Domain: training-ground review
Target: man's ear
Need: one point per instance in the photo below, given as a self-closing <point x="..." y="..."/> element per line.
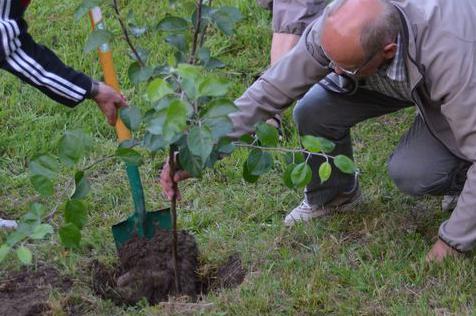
<point x="389" y="51"/>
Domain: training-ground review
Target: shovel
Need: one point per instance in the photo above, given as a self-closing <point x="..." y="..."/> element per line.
<point x="141" y="223"/>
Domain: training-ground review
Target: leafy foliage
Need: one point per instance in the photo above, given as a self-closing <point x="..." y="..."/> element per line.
<point x="187" y="112"/>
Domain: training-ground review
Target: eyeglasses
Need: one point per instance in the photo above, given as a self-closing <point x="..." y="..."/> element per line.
<point x="352" y="73"/>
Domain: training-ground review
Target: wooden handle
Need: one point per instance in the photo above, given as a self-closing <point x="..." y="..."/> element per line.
<point x="107" y="65"/>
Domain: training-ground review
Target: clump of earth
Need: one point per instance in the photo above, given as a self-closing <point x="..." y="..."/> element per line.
<point x="146" y="270"/>
<point x="26" y="292"/>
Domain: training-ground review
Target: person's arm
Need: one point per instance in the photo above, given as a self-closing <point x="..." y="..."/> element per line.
<point x="41" y="68"/>
<point x="456" y="90"/>
<point x="284" y="82"/>
<point x="276" y="89"/>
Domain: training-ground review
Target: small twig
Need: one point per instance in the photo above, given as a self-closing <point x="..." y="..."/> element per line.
<point x="199" y="4"/>
<point x="202" y="36"/>
<point x="285" y="150"/>
<point x="126" y="34"/>
<point x="97" y="162"/>
<point x="68" y="185"/>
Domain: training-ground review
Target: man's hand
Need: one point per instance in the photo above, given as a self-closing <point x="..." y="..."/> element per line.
<point x="439" y="251"/>
<point x="168" y="185"/>
<point x="109" y="101"/>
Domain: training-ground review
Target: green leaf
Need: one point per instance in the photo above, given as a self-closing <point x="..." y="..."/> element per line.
<point x="225" y="146"/>
<point x="267" y="135"/>
<point x="130" y="156"/>
<point x="4" y="251"/>
<point x="154" y="142"/>
<point x="178" y="41"/>
<point x="42" y="185"/>
<point x="325" y="171"/>
<point x="226" y="18"/>
<point x="34" y="214"/>
<point x="213" y="87"/>
<point x="175" y="119"/>
<point x="247" y="175"/>
<point x="204" y="54"/>
<point x="76" y="212"/>
<point x="190" y="163"/>
<point x="259" y="162"/>
<point x="138" y="74"/>
<point x="24" y="255"/>
<point x="40" y="231"/>
<point x="301" y="175"/>
<point x="73" y="146"/>
<point x="131" y="116"/>
<point x="311" y="143"/>
<point x="143" y="54"/>
<point x="317" y="144"/>
<point x="190" y="76"/>
<point x="18" y="235"/>
<point x="70" y="235"/>
<point x="219" y="126"/>
<point x="157" y="89"/>
<point x="97" y="38"/>
<point x="214" y="63"/>
<point x="326" y="145"/>
<point x="294" y="158"/>
<point x="345" y="164"/>
<point x="219" y="108"/>
<point x="247" y="139"/>
<point x="172" y="24"/>
<point x="200" y="142"/>
<point x="81" y="186"/>
<point x="45" y="165"/>
<point x="84" y="8"/>
<point x="287" y="176"/>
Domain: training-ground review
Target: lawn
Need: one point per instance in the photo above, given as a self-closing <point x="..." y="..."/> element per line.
<point x="366" y="262"/>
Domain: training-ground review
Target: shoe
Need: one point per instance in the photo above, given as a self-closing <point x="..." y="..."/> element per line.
<point x="8" y="225"/>
<point x="448" y="203"/>
<point x="342" y="202"/>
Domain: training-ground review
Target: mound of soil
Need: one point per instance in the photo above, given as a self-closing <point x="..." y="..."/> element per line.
<point x="26" y="292"/>
<point x="146" y="271"/>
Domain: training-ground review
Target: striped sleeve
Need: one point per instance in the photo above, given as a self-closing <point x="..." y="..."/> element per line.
<point x="36" y="64"/>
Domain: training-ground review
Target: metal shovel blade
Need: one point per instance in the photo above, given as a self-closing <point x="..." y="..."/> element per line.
<point x="127" y="230"/>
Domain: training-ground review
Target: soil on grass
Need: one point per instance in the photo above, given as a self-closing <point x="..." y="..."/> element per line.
<point x="26" y="292"/>
<point x="146" y="271"/>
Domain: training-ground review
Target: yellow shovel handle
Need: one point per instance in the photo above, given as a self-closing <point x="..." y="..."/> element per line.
<point x="107" y="65"/>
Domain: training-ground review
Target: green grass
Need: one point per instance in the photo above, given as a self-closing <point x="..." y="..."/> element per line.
<point x="370" y="262"/>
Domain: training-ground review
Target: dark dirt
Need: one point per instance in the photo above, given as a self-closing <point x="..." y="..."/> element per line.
<point x="146" y="271"/>
<point x="26" y="292"/>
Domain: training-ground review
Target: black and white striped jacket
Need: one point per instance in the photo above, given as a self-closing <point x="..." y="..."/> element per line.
<point x="34" y="63"/>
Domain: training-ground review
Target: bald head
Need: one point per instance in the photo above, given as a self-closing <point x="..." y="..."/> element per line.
<point x="354" y="30"/>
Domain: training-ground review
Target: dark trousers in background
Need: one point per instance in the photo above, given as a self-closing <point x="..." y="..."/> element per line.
<point x="419" y="165"/>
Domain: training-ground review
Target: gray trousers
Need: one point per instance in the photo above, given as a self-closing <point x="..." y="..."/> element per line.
<point x="419" y="165"/>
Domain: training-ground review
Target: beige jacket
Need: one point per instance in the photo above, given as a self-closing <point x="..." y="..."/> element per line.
<point x="441" y="62"/>
<point x="293" y="16"/>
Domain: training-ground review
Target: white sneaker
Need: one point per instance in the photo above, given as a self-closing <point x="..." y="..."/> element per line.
<point x="305" y="212"/>
<point x="448" y="203"/>
<point x="8" y="225"/>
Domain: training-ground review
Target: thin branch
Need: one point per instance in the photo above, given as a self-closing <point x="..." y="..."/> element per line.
<point x="98" y="162"/>
<point x="284" y="150"/>
<point x="126" y="34"/>
<point x="67" y="187"/>
<point x="173" y="210"/>
<point x="202" y="36"/>
<point x="196" y="31"/>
